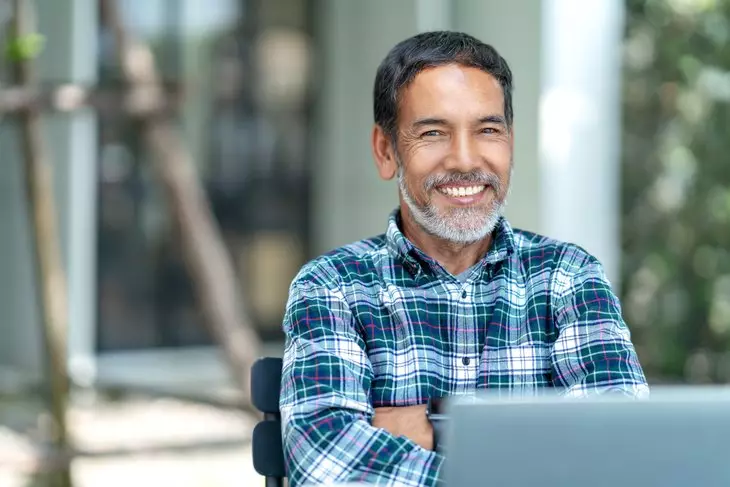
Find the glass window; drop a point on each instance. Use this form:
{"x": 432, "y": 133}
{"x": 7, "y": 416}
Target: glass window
{"x": 243, "y": 67}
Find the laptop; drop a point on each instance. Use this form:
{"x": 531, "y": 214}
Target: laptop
{"x": 678, "y": 437}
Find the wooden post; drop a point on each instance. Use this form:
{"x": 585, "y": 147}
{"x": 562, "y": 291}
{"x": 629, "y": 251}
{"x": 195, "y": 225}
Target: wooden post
{"x": 51, "y": 278}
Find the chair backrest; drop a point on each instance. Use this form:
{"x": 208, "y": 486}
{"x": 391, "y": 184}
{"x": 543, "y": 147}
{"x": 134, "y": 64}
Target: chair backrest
{"x": 268, "y": 452}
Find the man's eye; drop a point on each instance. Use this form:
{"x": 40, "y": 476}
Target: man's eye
{"x": 490, "y": 130}
{"x": 431, "y": 133}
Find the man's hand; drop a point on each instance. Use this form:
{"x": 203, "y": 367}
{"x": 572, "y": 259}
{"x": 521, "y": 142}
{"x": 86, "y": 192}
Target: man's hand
{"x": 408, "y": 421}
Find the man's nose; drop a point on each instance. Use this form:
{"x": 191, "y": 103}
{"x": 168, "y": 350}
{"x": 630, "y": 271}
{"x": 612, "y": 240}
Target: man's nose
{"x": 464, "y": 155}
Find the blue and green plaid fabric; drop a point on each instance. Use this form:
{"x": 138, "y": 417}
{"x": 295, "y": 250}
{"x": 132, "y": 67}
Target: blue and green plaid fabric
{"x": 379, "y": 323}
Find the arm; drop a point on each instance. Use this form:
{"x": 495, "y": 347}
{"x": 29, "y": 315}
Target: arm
{"x": 593, "y": 352}
{"x": 326, "y": 411}
{"x": 408, "y": 421}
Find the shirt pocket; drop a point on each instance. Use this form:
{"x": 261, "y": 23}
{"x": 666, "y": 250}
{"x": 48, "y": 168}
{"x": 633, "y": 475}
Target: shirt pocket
{"x": 521, "y": 368}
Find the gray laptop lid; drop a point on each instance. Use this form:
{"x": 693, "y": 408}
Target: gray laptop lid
{"x": 677, "y": 438}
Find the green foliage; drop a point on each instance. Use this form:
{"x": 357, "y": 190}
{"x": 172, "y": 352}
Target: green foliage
{"x": 25, "y": 47}
{"x": 676, "y": 187}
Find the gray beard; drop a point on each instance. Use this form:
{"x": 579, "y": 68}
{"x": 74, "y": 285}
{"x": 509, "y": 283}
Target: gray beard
{"x": 460, "y": 225}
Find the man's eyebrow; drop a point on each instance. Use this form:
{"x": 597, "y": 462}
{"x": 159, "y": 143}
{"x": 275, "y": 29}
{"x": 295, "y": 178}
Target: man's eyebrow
{"x": 429, "y": 121}
{"x": 498, "y": 119}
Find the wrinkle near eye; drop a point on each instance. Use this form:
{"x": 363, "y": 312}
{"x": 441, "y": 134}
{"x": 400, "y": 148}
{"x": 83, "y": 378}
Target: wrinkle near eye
{"x": 412, "y": 143}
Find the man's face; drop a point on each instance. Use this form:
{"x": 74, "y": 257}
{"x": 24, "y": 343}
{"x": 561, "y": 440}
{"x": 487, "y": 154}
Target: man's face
{"x": 454, "y": 152}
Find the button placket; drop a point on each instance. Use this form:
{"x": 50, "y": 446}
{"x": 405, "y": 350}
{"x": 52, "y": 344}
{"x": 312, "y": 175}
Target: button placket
{"x": 466, "y": 336}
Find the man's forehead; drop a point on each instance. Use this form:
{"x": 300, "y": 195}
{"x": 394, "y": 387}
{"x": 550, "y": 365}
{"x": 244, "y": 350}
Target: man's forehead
{"x": 454, "y": 71}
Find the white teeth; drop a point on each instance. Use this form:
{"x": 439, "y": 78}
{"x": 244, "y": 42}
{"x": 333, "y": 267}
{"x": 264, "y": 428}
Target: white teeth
{"x": 462, "y": 191}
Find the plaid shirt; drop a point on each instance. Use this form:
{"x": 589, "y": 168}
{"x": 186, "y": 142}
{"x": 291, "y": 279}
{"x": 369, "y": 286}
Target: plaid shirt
{"x": 379, "y": 323}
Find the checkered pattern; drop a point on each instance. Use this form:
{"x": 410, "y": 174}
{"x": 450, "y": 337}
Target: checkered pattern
{"x": 379, "y": 323}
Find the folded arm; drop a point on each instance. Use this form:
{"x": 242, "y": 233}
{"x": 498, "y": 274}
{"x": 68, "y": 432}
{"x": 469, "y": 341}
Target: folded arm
{"x": 593, "y": 352}
{"x": 326, "y": 411}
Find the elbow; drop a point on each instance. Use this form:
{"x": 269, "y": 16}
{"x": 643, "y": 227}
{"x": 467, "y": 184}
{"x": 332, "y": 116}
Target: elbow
{"x": 309, "y": 446}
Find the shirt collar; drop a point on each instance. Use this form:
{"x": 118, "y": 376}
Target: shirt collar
{"x": 503, "y": 244}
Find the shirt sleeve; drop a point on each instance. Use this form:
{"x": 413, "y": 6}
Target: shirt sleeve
{"x": 325, "y": 402}
{"x": 593, "y": 352}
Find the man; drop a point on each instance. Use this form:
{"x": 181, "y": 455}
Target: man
{"x": 450, "y": 299}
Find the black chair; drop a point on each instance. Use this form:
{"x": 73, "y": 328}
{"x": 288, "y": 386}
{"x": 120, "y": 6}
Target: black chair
{"x": 268, "y": 452}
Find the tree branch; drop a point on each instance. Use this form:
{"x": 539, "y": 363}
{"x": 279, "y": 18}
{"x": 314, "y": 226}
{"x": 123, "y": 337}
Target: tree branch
{"x": 72, "y": 97}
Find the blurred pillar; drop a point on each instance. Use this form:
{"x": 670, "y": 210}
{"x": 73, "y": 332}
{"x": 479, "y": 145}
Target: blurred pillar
{"x": 580, "y": 123}
{"x": 20, "y": 346}
{"x": 69, "y": 56}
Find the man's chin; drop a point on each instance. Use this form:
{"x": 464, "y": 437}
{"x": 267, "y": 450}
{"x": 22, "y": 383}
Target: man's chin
{"x": 469, "y": 230}
{"x": 461, "y": 233}
{"x": 462, "y": 225}
{"x": 466, "y": 219}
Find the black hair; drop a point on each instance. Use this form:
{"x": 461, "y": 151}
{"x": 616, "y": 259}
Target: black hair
{"x": 431, "y": 49}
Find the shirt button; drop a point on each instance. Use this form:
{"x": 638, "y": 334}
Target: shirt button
{"x": 465, "y": 360}
{"x": 463, "y": 294}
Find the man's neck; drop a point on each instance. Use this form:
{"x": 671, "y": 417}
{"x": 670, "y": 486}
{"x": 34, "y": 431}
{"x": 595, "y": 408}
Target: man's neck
{"x": 454, "y": 257}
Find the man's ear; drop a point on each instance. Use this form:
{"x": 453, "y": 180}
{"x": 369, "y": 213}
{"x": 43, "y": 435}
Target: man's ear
{"x": 384, "y": 154}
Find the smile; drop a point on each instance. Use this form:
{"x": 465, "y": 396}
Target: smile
{"x": 461, "y": 191}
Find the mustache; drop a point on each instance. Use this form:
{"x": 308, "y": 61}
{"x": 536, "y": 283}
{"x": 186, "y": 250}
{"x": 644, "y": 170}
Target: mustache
{"x": 476, "y": 178}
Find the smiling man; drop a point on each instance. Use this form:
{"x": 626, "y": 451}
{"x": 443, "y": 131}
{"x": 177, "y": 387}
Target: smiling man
{"x": 450, "y": 299}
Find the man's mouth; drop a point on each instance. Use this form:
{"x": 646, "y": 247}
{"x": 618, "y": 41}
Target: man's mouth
{"x": 461, "y": 191}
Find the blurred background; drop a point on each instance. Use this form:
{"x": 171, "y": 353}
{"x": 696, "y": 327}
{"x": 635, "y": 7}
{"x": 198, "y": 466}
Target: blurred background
{"x": 622, "y": 122}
